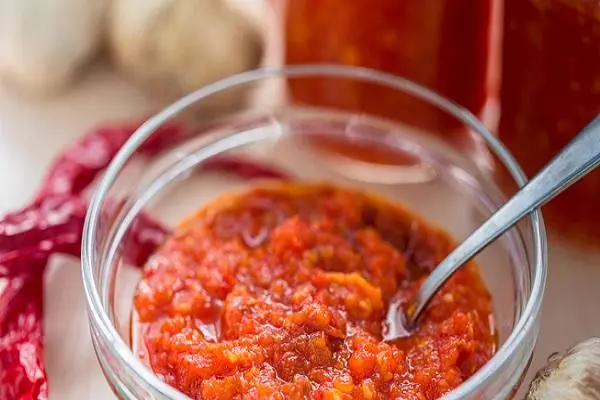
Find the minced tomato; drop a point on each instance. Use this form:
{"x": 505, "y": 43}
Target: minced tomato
{"x": 281, "y": 292}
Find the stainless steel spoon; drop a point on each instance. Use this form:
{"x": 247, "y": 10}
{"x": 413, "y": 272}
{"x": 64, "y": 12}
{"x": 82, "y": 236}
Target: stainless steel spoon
{"x": 577, "y": 159}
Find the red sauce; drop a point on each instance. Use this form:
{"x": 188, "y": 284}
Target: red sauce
{"x": 280, "y": 292}
{"x": 550, "y": 90}
{"x": 426, "y": 41}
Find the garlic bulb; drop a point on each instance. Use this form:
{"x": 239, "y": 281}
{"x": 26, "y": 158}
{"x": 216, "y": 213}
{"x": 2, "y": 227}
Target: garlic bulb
{"x": 177, "y": 46}
{"x": 573, "y": 375}
{"x": 44, "y": 42}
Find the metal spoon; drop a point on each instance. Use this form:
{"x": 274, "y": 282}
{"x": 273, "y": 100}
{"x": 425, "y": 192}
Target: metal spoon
{"x": 577, "y": 159}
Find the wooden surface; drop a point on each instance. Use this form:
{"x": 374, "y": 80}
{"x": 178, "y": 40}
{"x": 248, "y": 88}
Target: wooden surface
{"x": 32, "y": 131}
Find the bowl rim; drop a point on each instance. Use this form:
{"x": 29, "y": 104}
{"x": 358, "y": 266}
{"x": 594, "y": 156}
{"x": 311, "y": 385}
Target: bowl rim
{"x": 98, "y": 316}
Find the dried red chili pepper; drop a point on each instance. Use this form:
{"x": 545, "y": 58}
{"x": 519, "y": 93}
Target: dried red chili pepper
{"x": 22, "y": 373}
{"x": 56, "y": 226}
{"x": 52, "y": 226}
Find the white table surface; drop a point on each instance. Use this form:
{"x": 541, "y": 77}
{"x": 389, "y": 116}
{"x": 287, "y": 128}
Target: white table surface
{"x": 33, "y": 131}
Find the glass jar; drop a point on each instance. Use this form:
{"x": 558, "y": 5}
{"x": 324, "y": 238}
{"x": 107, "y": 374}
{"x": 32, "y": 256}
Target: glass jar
{"x": 550, "y": 91}
{"x": 427, "y": 41}
{"x": 457, "y": 197}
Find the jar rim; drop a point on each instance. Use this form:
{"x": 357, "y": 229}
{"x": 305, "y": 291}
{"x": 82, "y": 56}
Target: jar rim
{"x": 100, "y": 318}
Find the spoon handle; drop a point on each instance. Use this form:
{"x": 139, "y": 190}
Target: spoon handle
{"x": 572, "y": 163}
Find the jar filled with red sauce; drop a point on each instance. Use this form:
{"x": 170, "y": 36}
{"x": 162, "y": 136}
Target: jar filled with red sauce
{"x": 551, "y": 90}
{"x": 440, "y": 44}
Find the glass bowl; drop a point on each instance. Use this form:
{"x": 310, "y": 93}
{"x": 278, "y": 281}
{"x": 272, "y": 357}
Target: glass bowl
{"x": 451, "y": 188}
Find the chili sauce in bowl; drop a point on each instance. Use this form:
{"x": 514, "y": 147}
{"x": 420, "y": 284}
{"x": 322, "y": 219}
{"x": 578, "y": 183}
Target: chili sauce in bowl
{"x": 281, "y": 291}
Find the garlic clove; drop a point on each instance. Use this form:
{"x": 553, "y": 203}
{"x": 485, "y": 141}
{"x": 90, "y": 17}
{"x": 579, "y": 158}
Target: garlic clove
{"x": 572, "y": 375}
{"x": 174, "y": 47}
{"x": 43, "y": 43}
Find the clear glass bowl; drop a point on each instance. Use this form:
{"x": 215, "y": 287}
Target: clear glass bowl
{"x": 451, "y": 189}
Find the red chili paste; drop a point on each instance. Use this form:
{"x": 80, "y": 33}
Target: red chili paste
{"x": 281, "y": 292}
